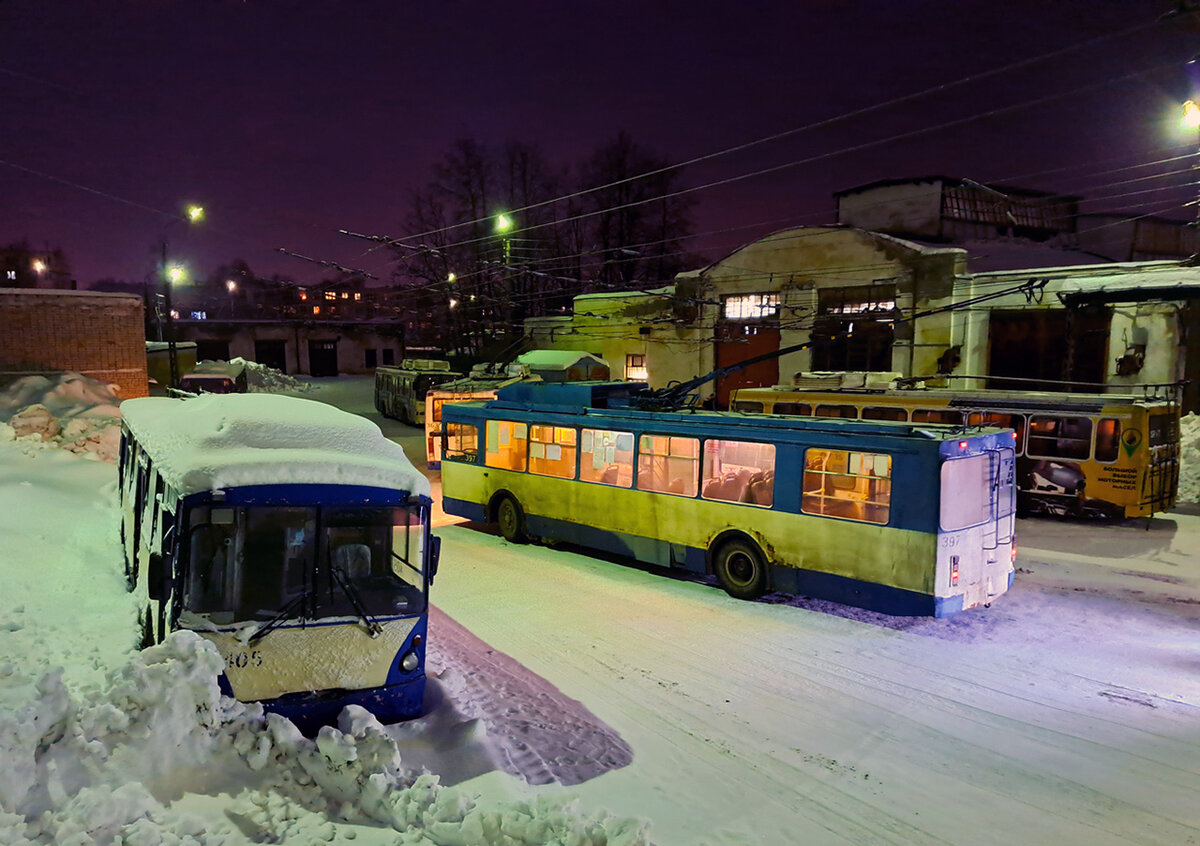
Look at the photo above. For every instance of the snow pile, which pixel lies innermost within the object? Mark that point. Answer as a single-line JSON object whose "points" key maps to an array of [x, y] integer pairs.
{"points": [[1189, 458], [102, 768], [264, 379], [219, 440], [70, 410]]}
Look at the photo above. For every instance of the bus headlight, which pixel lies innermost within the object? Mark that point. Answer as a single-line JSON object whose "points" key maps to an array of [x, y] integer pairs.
{"points": [[409, 662]]}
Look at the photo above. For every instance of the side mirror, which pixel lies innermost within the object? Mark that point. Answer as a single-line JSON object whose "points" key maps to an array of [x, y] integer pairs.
{"points": [[156, 577], [435, 553]]}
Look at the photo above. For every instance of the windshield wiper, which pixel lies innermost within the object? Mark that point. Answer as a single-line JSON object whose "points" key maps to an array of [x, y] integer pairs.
{"points": [[339, 576], [274, 623]]}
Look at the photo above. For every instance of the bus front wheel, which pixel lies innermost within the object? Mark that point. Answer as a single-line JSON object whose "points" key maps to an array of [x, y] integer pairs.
{"points": [[740, 569], [511, 519]]}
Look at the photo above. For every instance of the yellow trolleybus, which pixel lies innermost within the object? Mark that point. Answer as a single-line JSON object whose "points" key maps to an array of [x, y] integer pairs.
{"points": [[1101, 455]]}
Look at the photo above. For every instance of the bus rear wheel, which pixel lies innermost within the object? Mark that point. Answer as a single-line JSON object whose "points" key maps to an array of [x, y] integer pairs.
{"points": [[511, 519], [740, 569]]}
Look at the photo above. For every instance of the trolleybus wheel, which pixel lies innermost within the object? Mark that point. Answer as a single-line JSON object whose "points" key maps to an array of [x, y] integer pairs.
{"points": [[511, 519], [740, 569]]}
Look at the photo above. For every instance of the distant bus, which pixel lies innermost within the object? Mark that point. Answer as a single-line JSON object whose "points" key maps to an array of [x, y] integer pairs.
{"points": [[291, 535], [892, 517], [1100, 455], [400, 391], [215, 377], [480, 385]]}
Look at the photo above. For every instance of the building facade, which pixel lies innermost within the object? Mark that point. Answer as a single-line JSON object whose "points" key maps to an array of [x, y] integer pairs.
{"points": [[100, 335]]}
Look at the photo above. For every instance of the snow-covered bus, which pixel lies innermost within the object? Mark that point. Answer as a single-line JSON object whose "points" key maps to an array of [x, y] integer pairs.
{"points": [[894, 517], [1094, 455], [400, 391], [291, 535]]}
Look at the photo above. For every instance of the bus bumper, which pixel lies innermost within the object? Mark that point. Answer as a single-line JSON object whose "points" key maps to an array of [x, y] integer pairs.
{"points": [[310, 711]]}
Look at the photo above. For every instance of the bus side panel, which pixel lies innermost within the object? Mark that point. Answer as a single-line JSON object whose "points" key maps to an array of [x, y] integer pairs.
{"points": [[898, 558], [863, 594]]}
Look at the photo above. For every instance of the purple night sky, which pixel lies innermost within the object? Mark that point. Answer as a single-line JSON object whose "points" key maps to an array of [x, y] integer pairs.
{"points": [[291, 120]]}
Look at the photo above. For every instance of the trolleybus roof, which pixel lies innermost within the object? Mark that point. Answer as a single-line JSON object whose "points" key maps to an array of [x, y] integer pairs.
{"points": [[225, 440]]}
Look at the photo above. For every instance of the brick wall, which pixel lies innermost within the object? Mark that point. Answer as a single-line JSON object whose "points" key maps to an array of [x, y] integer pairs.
{"points": [[100, 335]]}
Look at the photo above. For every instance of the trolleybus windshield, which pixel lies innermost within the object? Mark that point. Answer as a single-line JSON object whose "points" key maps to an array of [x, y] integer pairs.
{"points": [[252, 563]]}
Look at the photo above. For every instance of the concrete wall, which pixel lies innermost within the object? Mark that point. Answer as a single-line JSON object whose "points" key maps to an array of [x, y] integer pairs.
{"points": [[100, 335]]}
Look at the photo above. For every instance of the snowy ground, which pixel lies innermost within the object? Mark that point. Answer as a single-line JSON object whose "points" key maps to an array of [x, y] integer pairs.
{"points": [[570, 687]]}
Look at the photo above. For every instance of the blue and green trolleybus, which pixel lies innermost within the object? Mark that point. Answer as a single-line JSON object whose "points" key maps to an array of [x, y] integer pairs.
{"points": [[894, 517]]}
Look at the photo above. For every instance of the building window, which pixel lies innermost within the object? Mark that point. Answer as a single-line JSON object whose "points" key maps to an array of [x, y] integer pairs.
{"points": [[751, 306], [199, 315], [389, 357], [851, 485], [316, 309], [345, 295], [331, 295], [357, 297], [635, 367], [372, 356], [12, 274], [303, 296]]}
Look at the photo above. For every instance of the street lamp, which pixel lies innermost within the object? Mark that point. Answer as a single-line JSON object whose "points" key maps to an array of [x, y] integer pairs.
{"points": [[173, 275], [1191, 121]]}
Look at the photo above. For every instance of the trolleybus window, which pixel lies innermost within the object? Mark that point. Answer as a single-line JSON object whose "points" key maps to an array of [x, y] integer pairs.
{"points": [[966, 492], [801, 409], [852, 485], [884, 412], [739, 471], [848, 412], [462, 442], [607, 457], [668, 464], [752, 407], [1164, 429], [552, 451], [506, 442], [1016, 422], [1060, 437], [937, 415], [1108, 439]]}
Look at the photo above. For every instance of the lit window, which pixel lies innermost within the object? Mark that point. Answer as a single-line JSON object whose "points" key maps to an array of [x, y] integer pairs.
{"points": [[462, 442], [357, 297], [1060, 437], [635, 367], [851, 485], [751, 306], [668, 465], [739, 471], [607, 457], [12, 274], [552, 451], [303, 296], [331, 295], [506, 443], [345, 295], [199, 315], [316, 309]]}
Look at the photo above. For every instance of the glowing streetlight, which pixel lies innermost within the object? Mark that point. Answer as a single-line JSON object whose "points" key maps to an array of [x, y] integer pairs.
{"points": [[195, 213], [453, 303], [39, 267], [230, 285], [503, 223], [451, 277], [176, 274]]}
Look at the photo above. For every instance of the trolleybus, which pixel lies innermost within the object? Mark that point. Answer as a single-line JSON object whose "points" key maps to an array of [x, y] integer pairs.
{"points": [[1099, 455], [291, 535], [894, 517], [400, 391]]}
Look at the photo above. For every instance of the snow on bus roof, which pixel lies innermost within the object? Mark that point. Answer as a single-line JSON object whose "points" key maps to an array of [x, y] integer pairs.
{"points": [[224, 440]]}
